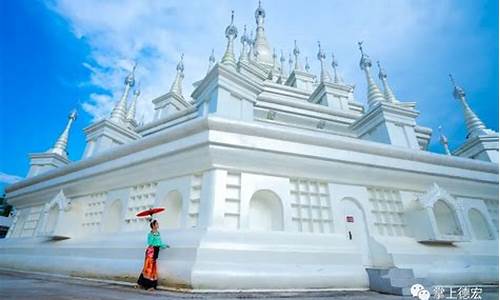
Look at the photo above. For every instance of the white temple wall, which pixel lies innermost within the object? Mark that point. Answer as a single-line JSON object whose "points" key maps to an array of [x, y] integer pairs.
{"points": [[383, 229], [378, 133], [487, 155], [175, 190], [481, 221], [256, 227], [263, 200], [402, 135], [300, 193], [98, 144], [313, 215], [226, 104]]}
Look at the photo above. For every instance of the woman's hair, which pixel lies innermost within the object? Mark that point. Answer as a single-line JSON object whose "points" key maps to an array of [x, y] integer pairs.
{"points": [[152, 223]]}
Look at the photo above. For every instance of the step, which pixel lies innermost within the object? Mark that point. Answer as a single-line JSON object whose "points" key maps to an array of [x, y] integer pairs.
{"points": [[393, 280], [400, 273], [404, 282], [425, 282]]}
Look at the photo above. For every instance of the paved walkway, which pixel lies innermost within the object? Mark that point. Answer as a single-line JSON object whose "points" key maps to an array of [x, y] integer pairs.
{"points": [[20, 285]]}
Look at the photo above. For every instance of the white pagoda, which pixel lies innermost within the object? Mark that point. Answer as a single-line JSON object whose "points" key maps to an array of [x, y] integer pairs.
{"points": [[272, 178]]}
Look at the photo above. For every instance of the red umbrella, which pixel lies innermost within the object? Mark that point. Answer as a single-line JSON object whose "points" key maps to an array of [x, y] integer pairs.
{"points": [[150, 212]]}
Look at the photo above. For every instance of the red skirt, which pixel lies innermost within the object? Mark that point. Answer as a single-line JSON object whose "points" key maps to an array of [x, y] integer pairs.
{"points": [[149, 275]]}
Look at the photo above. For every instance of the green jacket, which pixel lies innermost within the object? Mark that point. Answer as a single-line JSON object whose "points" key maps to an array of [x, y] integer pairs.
{"points": [[154, 239]]}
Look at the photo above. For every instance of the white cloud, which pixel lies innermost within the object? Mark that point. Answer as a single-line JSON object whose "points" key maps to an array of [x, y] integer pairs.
{"points": [[9, 179], [417, 42], [153, 33]]}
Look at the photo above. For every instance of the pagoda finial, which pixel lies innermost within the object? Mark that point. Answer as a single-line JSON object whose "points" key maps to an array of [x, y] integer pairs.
{"points": [[211, 61], [290, 62], [119, 113], [133, 105], [444, 141], [130, 79], [251, 44], [365, 61], [231, 35], [276, 66], [324, 75], [260, 15], [180, 65], [360, 45], [261, 46], [458, 92], [62, 142], [475, 127], [274, 72], [388, 94], [283, 75], [374, 94], [244, 42], [176, 87], [336, 77], [307, 66], [296, 53]]}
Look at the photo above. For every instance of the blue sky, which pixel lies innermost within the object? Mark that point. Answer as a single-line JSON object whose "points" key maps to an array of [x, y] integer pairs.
{"points": [[61, 54]]}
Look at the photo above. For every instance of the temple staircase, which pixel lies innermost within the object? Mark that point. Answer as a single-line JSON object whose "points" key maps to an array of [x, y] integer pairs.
{"points": [[394, 280]]}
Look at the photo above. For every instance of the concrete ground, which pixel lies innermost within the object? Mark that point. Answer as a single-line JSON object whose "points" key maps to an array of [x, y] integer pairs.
{"points": [[21, 285]]}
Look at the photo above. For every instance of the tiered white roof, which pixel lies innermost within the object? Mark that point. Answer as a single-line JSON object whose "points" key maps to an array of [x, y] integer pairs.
{"points": [[257, 64]]}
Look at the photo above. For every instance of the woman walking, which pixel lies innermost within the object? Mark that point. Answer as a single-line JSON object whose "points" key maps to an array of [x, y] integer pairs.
{"points": [[149, 276]]}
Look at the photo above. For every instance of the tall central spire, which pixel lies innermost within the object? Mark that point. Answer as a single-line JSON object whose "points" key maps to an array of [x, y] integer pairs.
{"points": [[62, 141], [374, 93], [475, 127], [119, 113], [261, 44]]}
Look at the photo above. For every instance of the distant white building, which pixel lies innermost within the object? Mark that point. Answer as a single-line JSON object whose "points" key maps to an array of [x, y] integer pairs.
{"points": [[272, 178]]}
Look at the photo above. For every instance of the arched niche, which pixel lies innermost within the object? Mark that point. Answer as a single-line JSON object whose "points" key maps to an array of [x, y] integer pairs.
{"points": [[113, 217], [479, 225], [171, 218], [51, 214], [266, 212], [438, 217], [446, 219]]}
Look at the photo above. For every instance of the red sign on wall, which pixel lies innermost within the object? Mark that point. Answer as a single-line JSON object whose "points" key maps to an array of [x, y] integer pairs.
{"points": [[349, 219]]}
